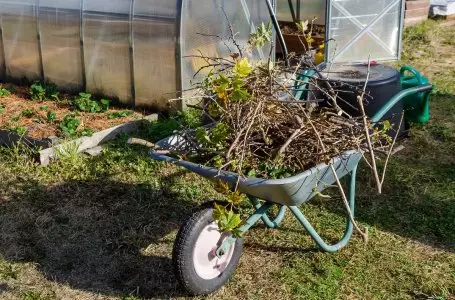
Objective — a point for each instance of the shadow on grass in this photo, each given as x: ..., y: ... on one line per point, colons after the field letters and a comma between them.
x: 89, y: 235
x: 417, y: 202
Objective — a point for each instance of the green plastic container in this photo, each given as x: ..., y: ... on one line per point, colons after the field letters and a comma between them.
x: 417, y: 107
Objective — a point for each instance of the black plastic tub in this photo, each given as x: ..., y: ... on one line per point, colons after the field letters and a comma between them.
x: 383, y: 84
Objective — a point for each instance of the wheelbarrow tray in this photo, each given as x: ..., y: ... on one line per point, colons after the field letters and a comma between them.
x: 291, y: 191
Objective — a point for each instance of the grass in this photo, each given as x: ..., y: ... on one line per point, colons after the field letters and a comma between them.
x: 103, y: 227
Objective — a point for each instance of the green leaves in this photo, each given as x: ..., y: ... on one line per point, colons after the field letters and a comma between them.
x: 87, y: 132
x: 70, y: 124
x: 51, y: 116
x: 262, y: 36
x: 227, y: 220
x: 21, y: 130
x: 233, y: 88
x: 119, y: 114
x: 42, y: 92
x: 4, y: 92
x: 86, y: 104
x: 242, y: 68
x: 28, y: 113
x: 302, y: 26
x: 215, y: 137
x: 37, y: 92
x: 105, y: 104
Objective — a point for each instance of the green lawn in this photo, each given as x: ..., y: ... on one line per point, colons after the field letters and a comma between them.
x: 103, y: 227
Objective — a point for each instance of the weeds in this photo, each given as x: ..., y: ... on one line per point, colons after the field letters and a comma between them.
x: 87, y: 132
x: 51, y: 116
x: 28, y: 113
x: 4, y: 92
x: 40, y: 92
x: 2, y: 109
x: 20, y: 130
x: 70, y: 124
x: 119, y: 114
x: 85, y: 103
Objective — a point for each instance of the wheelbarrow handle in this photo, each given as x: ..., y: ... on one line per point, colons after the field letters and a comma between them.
x: 136, y: 141
x: 398, y: 97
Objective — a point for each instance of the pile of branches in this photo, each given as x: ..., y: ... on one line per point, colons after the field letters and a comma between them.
x: 265, y: 119
x: 257, y: 126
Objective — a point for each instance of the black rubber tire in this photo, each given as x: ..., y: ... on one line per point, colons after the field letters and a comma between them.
x: 182, y: 256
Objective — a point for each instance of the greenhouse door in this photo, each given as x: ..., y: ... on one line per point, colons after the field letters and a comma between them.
x: 362, y: 29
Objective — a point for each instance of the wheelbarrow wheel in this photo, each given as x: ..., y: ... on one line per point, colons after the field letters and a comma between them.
x: 196, y: 265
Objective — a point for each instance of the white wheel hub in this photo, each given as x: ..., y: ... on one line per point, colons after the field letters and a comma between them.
x: 206, y: 264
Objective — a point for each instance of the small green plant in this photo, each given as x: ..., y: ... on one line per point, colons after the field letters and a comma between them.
x: 2, y: 108
x: 87, y: 132
x: 28, y: 113
x: 70, y: 124
x: 105, y: 104
x: 15, y: 119
x: 37, y: 92
x: 4, y: 92
x: 41, y: 92
x: 52, y: 92
x: 21, y: 130
x: 119, y: 114
x: 85, y: 103
x: 51, y: 116
x: 43, y: 108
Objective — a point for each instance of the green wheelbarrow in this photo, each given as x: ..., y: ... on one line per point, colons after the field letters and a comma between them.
x: 204, y: 258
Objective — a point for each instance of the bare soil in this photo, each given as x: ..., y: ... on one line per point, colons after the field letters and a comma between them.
x: 37, y: 125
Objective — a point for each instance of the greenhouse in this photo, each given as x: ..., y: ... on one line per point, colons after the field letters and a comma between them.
x: 142, y: 52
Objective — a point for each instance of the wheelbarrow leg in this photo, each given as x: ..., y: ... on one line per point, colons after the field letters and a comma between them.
x: 267, y: 221
x: 349, y: 226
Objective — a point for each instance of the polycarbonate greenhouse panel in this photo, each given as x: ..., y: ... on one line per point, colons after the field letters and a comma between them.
x: 206, y: 30
x: 362, y: 29
x: 309, y: 10
x: 107, y: 56
x: 155, y: 34
x: 20, y: 39
x: 60, y: 30
x: 134, y: 51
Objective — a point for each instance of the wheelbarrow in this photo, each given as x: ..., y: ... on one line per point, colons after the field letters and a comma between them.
x: 205, y: 258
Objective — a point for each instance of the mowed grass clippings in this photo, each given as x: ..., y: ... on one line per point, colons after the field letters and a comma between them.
x: 103, y: 227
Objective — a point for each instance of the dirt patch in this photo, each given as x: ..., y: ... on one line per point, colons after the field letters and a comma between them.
x: 42, y: 119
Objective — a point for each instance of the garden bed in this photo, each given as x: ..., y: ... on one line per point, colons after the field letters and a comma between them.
x: 24, y: 111
x: 40, y: 117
